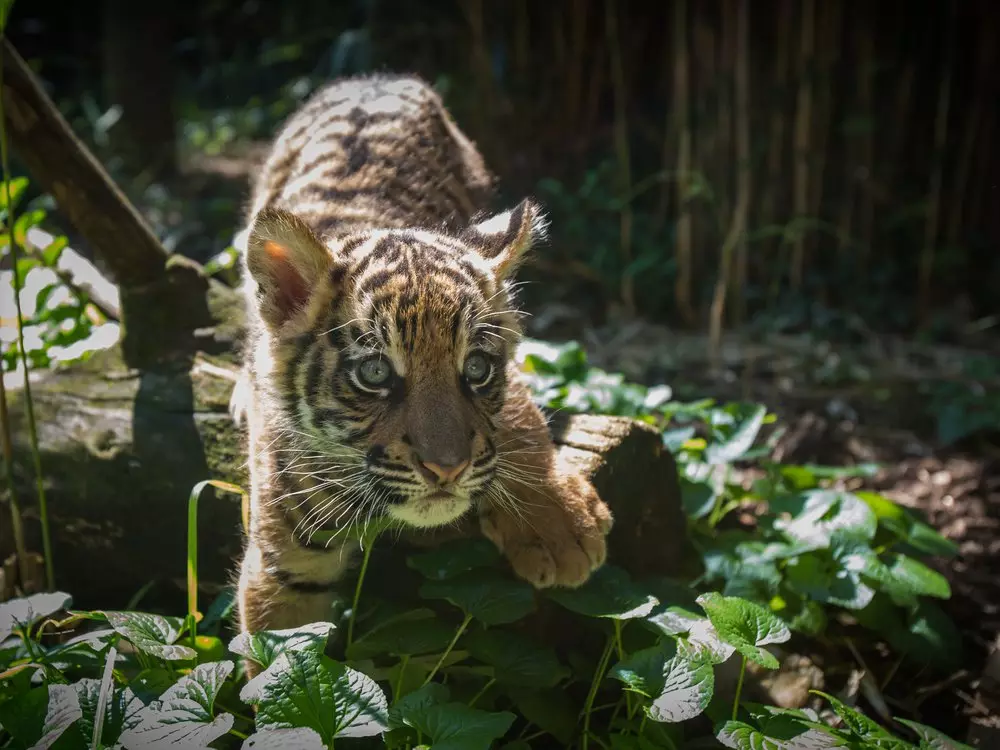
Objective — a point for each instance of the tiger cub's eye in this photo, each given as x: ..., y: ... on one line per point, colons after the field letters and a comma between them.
x: 374, y: 372
x: 477, y: 369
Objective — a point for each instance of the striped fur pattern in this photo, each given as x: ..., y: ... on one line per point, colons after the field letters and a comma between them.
x: 378, y: 374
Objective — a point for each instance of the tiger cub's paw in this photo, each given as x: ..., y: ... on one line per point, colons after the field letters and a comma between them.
x: 556, y: 542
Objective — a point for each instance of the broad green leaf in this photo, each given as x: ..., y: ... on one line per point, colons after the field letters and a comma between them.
x: 516, y: 659
x: 15, y: 187
x: 932, y: 739
x: 679, y: 682
x: 833, y: 579
x: 552, y: 710
x: 453, y: 558
x: 121, y: 712
x: 38, y: 717
x: 609, y: 593
x: 906, y: 527
x: 421, y: 699
x: 184, y: 715
x: 404, y: 636
x: 153, y: 634
x: 745, y: 625
x: 739, y: 441
x: 698, y: 632
x: 305, y: 689
x: 26, y: 611
x: 267, y: 645
x: 453, y: 726
x: 51, y: 252
x: 817, y: 515
x: 298, y: 738
x: 484, y: 595
x: 741, y: 736
x: 909, y: 579
x: 864, y: 728
x: 698, y: 498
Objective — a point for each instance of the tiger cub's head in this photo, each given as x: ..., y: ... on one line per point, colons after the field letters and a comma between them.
x: 386, y: 354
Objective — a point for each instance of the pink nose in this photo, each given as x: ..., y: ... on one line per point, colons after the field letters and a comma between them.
x: 445, y: 474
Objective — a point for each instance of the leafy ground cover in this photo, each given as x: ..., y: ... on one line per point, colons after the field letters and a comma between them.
x: 795, y: 560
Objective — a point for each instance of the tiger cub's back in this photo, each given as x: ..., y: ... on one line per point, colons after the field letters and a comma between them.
x: 375, y: 151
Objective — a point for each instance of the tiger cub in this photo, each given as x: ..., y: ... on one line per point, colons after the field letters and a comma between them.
x: 378, y: 368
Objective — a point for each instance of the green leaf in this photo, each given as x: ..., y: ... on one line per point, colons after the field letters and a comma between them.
x: 608, y: 593
x: 745, y: 625
x: 421, y: 699
x: 862, y: 727
x: 739, y: 441
x: 26, y: 611
x: 297, y: 738
x: 17, y: 186
x: 484, y: 595
x: 453, y: 558
x: 184, y: 714
x: 121, y: 712
x: 819, y: 514
x: 696, y: 631
x: 679, y: 682
x: 742, y: 736
x: 551, y: 710
x: 38, y: 717
x: 833, y: 578
x: 51, y: 252
x: 453, y: 726
x: 264, y: 646
x: 305, y: 689
x: 516, y: 659
x: 908, y: 579
x: 908, y: 529
x: 932, y: 739
x: 152, y: 634
x: 698, y: 498
x: 410, y: 634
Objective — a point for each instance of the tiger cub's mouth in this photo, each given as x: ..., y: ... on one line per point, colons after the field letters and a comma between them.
x: 435, y: 509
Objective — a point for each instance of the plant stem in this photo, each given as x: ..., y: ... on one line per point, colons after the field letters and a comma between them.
x: 739, y: 687
x: 368, y: 545
x: 43, y: 510
x: 399, y: 680
x: 602, y: 665
x: 458, y: 634
x: 479, y: 695
x: 630, y: 709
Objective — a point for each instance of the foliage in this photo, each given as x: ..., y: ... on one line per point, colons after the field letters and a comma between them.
x: 61, y: 325
x: 449, y: 665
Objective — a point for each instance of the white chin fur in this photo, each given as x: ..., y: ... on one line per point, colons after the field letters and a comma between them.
x: 425, y: 513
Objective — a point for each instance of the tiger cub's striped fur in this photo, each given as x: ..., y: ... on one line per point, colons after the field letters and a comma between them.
x: 381, y: 327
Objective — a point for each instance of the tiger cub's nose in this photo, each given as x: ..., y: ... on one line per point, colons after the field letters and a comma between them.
x: 438, y: 474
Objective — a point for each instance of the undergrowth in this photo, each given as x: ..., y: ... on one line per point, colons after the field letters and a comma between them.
x: 441, y: 651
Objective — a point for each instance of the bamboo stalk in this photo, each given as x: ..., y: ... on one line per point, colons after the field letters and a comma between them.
x: 574, y: 83
x: 743, y: 179
x: 933, y: 218
x: 866, y: 79
x: 828, y: 53
x: 621, y: 151
x: 803, y: 123
x: 973, y: 126
x: 682, y: 286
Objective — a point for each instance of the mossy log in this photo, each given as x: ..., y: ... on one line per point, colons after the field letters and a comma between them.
x: 122, y: 449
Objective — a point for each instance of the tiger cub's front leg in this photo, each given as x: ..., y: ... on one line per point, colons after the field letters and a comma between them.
x: 545, y: 516
x: 287, y: 587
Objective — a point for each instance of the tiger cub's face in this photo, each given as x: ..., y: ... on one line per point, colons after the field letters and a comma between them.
x: 387, y: 354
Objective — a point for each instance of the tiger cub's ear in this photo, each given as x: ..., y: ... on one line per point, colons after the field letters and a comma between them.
x: 286, y: 260
x: 504, y: 239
